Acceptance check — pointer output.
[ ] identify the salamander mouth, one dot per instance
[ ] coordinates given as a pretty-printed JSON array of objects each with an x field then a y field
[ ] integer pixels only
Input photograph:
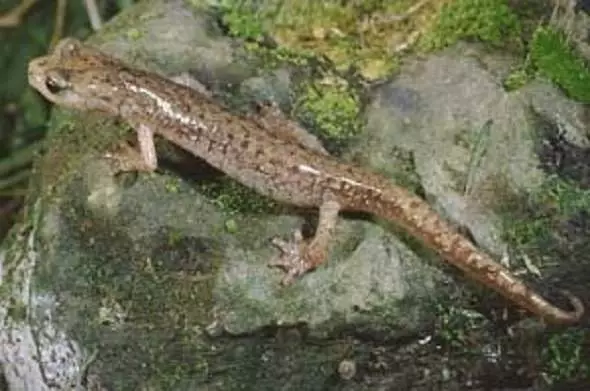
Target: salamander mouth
[
  {"x": 38, "y": 78},
  {"x": 34, "y": 72}
]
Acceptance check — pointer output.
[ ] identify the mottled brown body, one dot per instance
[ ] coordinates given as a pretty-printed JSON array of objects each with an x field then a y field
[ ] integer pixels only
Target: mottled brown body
[{"x": 271, "y": 160}]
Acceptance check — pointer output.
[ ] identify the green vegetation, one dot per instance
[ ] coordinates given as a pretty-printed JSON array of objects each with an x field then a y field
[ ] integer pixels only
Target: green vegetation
[
  {"x": 553, "y": 57},
  {"x": 532, "y": 219},
  {"x": 243, "y": 21},
  {"x": 232, "y": 197},
  {"x": 489, "y": 21},
  {"x": 563, "y": 358},
  {"x": 333, "y": 107},
  {"x": 518, "y": 78},
  {"x": 455, "y": 325},
  {"x": 364, "y": 35}
]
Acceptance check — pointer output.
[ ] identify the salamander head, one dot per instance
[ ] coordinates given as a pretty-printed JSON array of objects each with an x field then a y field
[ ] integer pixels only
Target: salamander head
[{"x": 77, "y": 76}]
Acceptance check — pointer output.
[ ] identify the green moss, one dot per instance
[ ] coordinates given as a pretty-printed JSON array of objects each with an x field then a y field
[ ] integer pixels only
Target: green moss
[
  {"x": 517, "y": 79},
  {"x": 333, "y": 107},
  {"x": 17, "y": 311},
  {"x": 529, "y": 219},
  {"x": 324, "y": 99},
  {"x": 555, "y": 59},
  {"x": 565, "y": 197},
  {"x": 360, "y": 34},
  {"x": 455, "y": 326},
  {"x": 142, "y": 292},
  {"x": 134, "y": 34},
  {"x": 270, "y": 58},
  {"x": 522, "y": 232},
  {"x": 70, "y": 133},
  {"x": 489, "y": 21},
  {"x": 563, "y": 357},
  {"x": 174, "y": 238},
  {"x": 243, "y": 21},
  {"x": 173, "y": 185},
  {"x": 231, "y": 226},
  {"x": 232, "y": 197}
]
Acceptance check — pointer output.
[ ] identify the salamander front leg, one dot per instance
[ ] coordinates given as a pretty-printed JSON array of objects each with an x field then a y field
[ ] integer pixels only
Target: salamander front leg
[
  {"x": 126, "y": 158},
  {"x": 298, "y": 255}
]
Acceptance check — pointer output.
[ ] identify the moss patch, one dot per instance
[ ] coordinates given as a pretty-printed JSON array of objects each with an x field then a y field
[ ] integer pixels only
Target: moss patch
[
  {"x": 124, "y": 295},
  {"x": 489, "y": 21},
  {"x": 72, "y": 143},
  {"x": 517, "y": 78},
  {"x": 232, "y": 197},
  {"x": 366, "y": 35},
  {"x": 324, "y": 99},
  {"x": 333, "y": 106},
  {"x": 530, "y": 221},
  {"x": 563, "y": 357},
  {"x": 555, "y": 59}
]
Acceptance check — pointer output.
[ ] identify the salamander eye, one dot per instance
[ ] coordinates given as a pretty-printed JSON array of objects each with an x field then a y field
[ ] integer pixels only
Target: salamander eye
[{"x": 56, "y": 82}]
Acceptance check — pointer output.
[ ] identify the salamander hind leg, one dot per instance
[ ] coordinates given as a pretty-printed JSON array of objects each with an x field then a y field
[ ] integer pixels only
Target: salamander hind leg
[{"x": 298, "y": 256}]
